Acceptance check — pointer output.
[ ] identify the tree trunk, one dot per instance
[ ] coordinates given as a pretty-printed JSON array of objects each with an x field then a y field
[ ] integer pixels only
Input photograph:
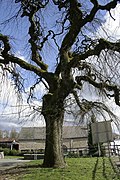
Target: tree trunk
[{"x": 53, "y": 113}]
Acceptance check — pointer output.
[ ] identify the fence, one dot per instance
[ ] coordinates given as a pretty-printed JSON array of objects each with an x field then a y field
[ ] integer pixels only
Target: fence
[{"x": 105, "y": 150}]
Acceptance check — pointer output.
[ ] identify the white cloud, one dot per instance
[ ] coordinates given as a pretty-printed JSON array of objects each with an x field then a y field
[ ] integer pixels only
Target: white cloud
[
  {"x": 111, "y": 28},
  {"x": 111, "y": 31},
  {"x": 15, "y": 112}
]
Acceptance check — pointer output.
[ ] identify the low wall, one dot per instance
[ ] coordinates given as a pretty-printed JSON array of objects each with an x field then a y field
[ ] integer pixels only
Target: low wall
[{"x": 33, "y": 156}]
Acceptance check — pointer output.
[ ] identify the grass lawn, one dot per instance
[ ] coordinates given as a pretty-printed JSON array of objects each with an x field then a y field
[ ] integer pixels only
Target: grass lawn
[
  {"x": 14, "y": 157},
  {"x": 78, "y": 169}
]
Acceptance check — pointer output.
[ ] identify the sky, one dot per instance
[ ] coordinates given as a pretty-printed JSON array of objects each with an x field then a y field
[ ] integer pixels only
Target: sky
[{"x": 10, "y": 115}]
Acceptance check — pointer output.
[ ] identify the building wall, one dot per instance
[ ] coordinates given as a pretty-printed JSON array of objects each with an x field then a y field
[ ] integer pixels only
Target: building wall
[
  {"x": 31, "y": 145},
  {"x": 69, "y": 143},
  {"x": 75, "y": 143}
]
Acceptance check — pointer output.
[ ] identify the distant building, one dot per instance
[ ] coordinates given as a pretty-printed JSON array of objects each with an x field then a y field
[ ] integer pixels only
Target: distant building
[
  {"x": 9, "y": 143},
  {"x": 33, "y": 138}
]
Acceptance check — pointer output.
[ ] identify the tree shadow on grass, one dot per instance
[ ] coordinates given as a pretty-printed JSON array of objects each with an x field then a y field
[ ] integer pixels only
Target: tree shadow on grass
[
  {"x": 19, "y": 169},
  {"x": 117, "y": 172},
  {"x": 104, "y": 170},
  {"x": 95, "y": 169}
]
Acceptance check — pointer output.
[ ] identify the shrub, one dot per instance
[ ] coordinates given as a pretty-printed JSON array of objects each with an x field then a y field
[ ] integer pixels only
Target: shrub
[
  {"x": 13, "y": 152},
  {"x": 6, "y": 151},
  {"x": 1, "y": 149},
  {"x": 73, "y": 155}
]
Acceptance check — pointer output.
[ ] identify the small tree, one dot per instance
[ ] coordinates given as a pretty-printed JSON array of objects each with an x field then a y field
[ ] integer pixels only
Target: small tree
[
  {"x": 13, "y": 134},
  {"x": 80, "y": 60},
  {"x": 1, "y": 134},
  {"x": 5, "y": 134}
]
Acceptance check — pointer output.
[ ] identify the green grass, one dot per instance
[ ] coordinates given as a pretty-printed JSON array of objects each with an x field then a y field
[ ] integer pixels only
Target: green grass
[
  {"x": 78, "y": 169},
  {"x": 14, "y": 157}
]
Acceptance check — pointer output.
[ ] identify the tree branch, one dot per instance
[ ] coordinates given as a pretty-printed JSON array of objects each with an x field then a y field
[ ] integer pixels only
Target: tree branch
[
  {"x": 22, "y": 63},
  {"x": 101, "y": 86},
  {"x": 75, "y": 17},
  {"x": 101, "y": 44},
  {"x": 50, "y": 78},
  {"x": 97, "y": 7},
  {"x": 109, "y": 6},
  {"x": 91, "y": 107},
  {"x": 29, "y": 10}
]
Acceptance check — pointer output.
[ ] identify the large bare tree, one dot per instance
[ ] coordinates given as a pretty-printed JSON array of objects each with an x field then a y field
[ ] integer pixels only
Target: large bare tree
[{"x": 69, "y": 29}]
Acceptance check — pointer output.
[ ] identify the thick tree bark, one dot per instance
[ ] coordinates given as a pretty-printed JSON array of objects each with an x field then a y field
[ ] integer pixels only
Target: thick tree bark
[{"x": 53, "y": 113}]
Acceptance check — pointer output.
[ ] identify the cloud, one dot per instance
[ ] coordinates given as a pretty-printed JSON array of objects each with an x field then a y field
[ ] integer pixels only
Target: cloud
[
  {"x": 111, "y": 28},
  {"x": 16, "y": 112},
  {"x": 8, "y": 124}
]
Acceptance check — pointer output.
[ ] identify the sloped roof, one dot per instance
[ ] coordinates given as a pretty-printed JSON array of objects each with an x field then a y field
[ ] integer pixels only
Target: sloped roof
[
  {"x": 30, "y": 133},
  {"x": 6, "y": 140},
  {"x": 74, "y": 132}
]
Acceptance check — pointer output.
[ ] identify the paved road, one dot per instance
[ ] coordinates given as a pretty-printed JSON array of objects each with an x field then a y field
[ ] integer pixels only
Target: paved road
[{"x": 9, "y": 163}]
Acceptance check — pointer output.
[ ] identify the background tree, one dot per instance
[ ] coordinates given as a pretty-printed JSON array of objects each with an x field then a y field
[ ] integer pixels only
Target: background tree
[
  {"x": 1, "y": 134},
  {"x": 5, "y": 134},
  {"x": 80, "y": 59},
  {"x": 13, "y": 134}
]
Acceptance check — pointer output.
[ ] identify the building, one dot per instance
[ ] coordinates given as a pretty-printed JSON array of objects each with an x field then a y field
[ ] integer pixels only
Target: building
[
  {"x": 33, "y": 138},
  {"x": 9, "y": 143}
]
